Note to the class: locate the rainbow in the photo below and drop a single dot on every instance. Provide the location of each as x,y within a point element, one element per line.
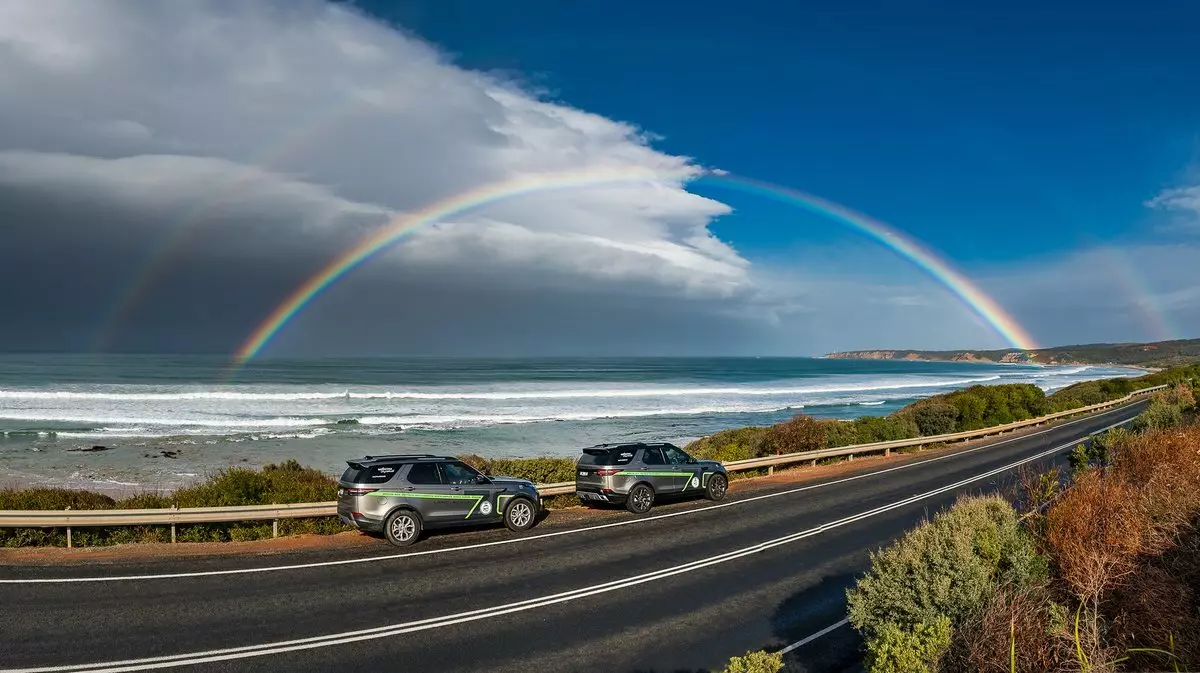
<point>405,224</point>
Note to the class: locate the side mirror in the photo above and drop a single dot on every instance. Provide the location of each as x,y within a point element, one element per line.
<point>691,461</point>
<point>482,480</point>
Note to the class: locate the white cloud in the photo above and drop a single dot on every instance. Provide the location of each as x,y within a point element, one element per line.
<point>284,131</point>
<point>1178,198</point>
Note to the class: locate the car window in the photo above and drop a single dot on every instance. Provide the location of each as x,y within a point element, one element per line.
<point>424,473</point>
<point>620,455</point>
<point>675,455</point>
<point>653,456</point>
<point>369,474</point>
<point>459,473</point>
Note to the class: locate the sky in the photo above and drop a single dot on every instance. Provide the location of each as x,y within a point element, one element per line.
<point>171,172</point>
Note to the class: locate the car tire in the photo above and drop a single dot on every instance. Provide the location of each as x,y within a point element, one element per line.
<point>520,515</point>
<point>718,486</point>
<point>403,527</point>
<point>640,499</point>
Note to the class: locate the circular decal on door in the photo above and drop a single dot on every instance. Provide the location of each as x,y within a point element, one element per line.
<point>695,482</point>
<point>485,508</point>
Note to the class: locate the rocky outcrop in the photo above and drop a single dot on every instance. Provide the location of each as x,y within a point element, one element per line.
<point>865,355</point>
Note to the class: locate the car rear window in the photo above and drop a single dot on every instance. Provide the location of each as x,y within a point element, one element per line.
<point>369,474</point>
<point>618,455</point>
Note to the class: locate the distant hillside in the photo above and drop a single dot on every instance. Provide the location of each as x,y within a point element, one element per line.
<point>1156,354</point>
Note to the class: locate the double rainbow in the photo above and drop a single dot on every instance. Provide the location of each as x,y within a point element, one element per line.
<point>406,224</point>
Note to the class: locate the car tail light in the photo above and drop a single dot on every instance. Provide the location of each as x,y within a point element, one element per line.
<point>606,473</point>
<point>360,491</point>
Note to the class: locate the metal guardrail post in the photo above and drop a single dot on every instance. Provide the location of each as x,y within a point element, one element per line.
<point>275,528</point>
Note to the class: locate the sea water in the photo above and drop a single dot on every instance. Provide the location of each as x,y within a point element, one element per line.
<point>168,420</point>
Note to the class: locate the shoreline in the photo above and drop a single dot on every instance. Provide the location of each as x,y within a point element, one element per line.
<point>129,467</point>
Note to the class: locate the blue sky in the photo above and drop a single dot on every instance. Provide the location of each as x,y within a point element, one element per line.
<point>1050,151</point>
<point>991,133</point>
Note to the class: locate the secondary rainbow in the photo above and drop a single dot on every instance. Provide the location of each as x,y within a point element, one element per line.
<point>405,224</point>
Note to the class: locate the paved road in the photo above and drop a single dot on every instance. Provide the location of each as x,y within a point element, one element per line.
<point>681,592</point>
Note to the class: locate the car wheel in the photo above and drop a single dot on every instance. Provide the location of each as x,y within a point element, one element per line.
<point>717,486</point>
<point>640,499</point>
<point>520,515</point>
<point>403,527</point>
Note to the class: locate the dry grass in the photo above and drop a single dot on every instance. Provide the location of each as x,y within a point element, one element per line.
<point>1014,632</point>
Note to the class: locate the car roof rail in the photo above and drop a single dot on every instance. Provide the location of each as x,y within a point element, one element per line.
<point>401,456</point>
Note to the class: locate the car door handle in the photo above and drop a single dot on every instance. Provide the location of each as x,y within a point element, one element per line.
<point>456,489</point>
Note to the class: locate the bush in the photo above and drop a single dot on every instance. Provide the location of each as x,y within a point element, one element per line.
<point>730,445</point>
<point>1160,415</point>
<point>537,470</point>
<point>755,662</point>
<point>916,649</point>
<point>947,567</point>
<point>936,418</point>
<point>800,433</point>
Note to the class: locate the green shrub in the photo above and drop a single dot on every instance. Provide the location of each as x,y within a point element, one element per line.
<point>868,429</point>
<point>915,649</point>
<point>755,662</point>
<point>735,444</point>
<point>947,567</point>
<point>936,418</point>
<point>1160,415</point>
<point>537,470</point>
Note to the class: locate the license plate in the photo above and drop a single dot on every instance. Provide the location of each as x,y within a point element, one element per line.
<point>584,474</point>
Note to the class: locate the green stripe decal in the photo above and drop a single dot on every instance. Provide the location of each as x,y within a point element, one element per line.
<point>433,496</point>
<point>704,479</point>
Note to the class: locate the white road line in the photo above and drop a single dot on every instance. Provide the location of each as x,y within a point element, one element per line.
<point>531,538</point>
<point>245,652</point>
<point>806,640</point>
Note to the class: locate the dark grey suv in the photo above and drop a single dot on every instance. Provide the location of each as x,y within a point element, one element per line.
<point>402,495</point>
<point>635,474</point>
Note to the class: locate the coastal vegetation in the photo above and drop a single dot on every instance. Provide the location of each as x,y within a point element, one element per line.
<point>1155,354</point>
<point>1093,571</point>
<point>972,408</point>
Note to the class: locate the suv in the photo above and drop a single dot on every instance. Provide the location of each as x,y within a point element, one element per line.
<point>400,496</point>
<point>635,474</point>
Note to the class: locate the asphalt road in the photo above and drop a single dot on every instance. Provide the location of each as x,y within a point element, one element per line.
<point>680,592</point>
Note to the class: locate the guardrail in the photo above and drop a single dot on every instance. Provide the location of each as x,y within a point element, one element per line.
<point>191,515</point>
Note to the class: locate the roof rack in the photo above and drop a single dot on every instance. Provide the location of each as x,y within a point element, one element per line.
<point>400,456</point>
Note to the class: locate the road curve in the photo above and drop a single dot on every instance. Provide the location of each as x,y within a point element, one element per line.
<point>682,592</point>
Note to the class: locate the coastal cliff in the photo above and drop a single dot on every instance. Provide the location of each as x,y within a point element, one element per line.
<point>1156,354</point>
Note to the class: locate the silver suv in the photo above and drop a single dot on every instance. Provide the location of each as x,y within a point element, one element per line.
<point>635,474</point>
<point>402,495</point>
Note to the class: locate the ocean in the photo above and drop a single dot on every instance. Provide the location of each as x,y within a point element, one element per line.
<point>168,420</point>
